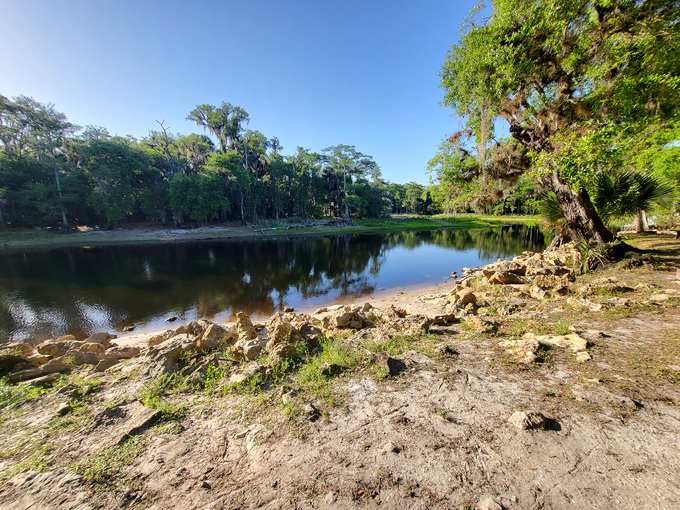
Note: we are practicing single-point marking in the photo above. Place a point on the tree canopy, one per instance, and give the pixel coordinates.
(586, 86)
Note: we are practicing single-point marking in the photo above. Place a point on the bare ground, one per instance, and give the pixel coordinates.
(435, 436)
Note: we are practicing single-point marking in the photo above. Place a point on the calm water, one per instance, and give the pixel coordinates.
(84, 290)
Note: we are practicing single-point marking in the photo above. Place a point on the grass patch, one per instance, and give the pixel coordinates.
(102, 468)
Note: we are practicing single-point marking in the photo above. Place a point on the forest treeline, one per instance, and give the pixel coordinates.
(55, 174)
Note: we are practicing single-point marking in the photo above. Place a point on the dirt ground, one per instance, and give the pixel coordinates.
(434, 436)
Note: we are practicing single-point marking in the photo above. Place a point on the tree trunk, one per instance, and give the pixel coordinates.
(64, 221)
(345, 191)
(582, 219)
(243, 219)
(2, 218)
(641, 221)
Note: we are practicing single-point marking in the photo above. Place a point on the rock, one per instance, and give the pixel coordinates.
(480, 324)
(310, 409)
(367, 306)
(583, 356)
(122, 352)
(17, 349)
(164, 357)
(444, 350)
(528, 420)
(245, 328)
(487, 502)
(282, 351)
(524, 349)
(195, 328)
(159, 339)
(9, 361)
(63, 410)
(537, 292)
(321, 310)
(138, 418)
(312, 334)
(128, 329)
(251, 371)
(79, 358)
(606, 287)
(171, 319)
(504, 278)
(101, 338)
(410, 325)
(45, 380)
(280, 331)
(216, 336)
(249, 349)
(658, 298)
(59, 348)
(66, 338)
(434, 313)
(603, 397)
(330, 369)
(105, 364)
(49, 368)
(390, 447)
(391, 365)
(349, 318)
(572, 341)
(288, 309)
(584, 303)
(286, 398)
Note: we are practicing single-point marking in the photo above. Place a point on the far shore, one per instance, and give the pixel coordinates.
(146, 234)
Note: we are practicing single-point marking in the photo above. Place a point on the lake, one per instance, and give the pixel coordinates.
(82, 290)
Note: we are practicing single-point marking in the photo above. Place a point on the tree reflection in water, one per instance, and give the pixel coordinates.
(82, 290)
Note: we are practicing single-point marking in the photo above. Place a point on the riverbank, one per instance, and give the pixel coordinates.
(85, 236)
(526, 384)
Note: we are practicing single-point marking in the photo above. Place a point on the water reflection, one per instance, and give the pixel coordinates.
(82, 290)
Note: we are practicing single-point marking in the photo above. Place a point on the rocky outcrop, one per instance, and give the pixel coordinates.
(56, 348)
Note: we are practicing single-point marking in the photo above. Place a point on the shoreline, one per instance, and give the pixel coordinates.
(396, 296)
(12, 241)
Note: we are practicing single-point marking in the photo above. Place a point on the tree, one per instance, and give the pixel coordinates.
(225, 122)
(347, 159)
(228, 165)
(566, 75)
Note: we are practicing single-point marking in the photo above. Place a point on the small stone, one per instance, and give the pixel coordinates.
(390, 447)
(527, 420)
(445, 350)
(63, 410)
(127, 329)
(105, 364)
(171, 319)
(288, 309)
(330, 498)
(487, 502)
(310, 409)
(329, 369)
(367, 306)
(583, 356)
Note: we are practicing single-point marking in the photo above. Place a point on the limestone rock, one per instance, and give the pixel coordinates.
(79, 358)
(101, 338)
(583, 356)
(216, 336)
(249, 349)
(248, 372)
(584, 303)
(60, 347)
(436, 314)
(159, 339)
(480, 324)
(487, 502)
(195, 328)
(164, 357)
(349, 318)
(571, 341)
(393, 366)
(105, 364)
(17, 349)
(504, 278)
(122, 352)
(244, 327)
(280, 331)
(43, 381)
(524, 349)
(49, 368)
(66, 338)
(538, 293)
(528, 420)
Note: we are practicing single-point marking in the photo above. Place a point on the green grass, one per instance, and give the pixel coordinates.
(23, 238)
(102, 468)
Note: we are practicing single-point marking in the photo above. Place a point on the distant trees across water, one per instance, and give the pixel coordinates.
(56, 174)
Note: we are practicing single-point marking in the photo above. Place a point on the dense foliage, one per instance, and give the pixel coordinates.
(587, 87)
(53, 173)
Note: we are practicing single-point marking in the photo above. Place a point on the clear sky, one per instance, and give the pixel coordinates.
(313, 73)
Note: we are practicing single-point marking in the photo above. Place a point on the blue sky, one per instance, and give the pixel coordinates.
(312, 73)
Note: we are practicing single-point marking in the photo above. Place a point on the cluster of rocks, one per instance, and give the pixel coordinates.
(43, 363)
